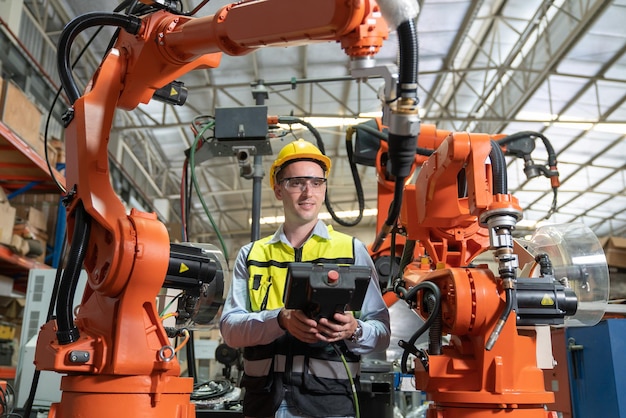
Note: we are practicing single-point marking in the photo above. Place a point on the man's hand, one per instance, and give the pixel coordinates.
(309, 331)
(341, 327)
(299, 325)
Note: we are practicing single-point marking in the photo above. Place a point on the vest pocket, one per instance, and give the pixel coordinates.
(263, 395)
(259, 292)
(257, 384)
(323, 383)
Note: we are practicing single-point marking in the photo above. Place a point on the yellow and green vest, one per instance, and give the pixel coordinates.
(268, 262)
(310, 376)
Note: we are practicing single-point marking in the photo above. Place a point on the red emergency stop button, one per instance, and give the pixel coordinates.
(333, 276)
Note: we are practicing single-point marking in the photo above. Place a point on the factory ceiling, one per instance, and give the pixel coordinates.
(555, 67)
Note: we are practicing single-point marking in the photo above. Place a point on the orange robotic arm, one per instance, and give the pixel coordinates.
(458, 208)
(116, 352)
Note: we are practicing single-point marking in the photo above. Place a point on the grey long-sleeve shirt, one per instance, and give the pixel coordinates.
(242, 328)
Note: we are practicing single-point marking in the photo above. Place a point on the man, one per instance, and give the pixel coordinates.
(292, 361)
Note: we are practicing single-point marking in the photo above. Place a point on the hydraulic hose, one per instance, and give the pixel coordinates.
(436, 328)
(408, 66)
(498, 163)
(392, 217)
(530, 134)
(130, 24)
(67, 332)
(357, 185)
(436, 312)
(407, 253)
(500, 186)
(551, 172)
(508, 307)
(404, 119)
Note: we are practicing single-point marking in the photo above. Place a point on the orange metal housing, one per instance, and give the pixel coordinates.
(466, 380)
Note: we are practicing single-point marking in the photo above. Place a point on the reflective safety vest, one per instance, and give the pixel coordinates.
(288, 368)
(268, 262)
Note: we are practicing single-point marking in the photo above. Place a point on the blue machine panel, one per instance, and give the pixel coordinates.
(597, 369)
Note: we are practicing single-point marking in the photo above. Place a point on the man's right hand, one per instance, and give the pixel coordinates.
(298, 324)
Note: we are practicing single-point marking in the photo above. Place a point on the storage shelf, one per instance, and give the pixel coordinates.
(21, 166)
(17, 267)
(11, 261)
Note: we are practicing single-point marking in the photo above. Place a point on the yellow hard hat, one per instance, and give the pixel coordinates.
(297, 151)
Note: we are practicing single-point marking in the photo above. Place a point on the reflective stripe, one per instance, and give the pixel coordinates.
(320, 368)
(332, 369)
(257, 368)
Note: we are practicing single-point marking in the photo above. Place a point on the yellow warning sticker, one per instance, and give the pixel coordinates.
(183, 268)
(173, 92)
(547, 300)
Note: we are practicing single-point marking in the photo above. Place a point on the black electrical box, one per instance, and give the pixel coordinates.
(239, 123)
(321, 290)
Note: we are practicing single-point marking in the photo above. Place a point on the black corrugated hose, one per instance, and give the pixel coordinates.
(131, 24)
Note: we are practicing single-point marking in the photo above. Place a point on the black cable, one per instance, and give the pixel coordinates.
(508, 307)
(392, 216)
(8, 401)
(355, 396)
(54, 101)
(409, 57)
(551, 171)
(410, 345)
(67, 332)
(360, 197)
(531, 134)
(131, 24)
(405, 259)
(197, 8)
(217, 388)
(119, 8)
(28, 405)
(498, 172)
(190, 349)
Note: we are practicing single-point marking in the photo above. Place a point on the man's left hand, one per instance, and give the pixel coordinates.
(341, 327)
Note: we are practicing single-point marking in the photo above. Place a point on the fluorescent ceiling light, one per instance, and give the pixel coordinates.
(566, 122)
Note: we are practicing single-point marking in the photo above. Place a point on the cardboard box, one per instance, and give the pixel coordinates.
(615, 251)
(617, 280)
(35, 247)
(33, 243)
(22, 116)
(6, 285)
(59, 146)
(7, 331)
(12, 308)
(7, 221)
(17, 245)
(47, 203)
(33, 217)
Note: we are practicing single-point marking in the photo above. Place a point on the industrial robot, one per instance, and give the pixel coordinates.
(496, 312)
(113, 350)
